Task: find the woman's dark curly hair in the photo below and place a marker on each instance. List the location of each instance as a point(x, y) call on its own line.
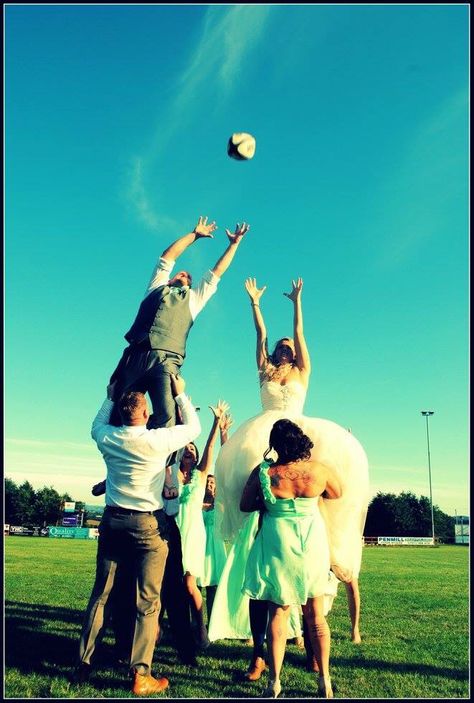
point(290, 442)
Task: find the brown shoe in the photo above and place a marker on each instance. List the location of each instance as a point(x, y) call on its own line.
point(256, 669)
point(144, 684)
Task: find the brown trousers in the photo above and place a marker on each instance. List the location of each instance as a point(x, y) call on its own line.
point(137, 541)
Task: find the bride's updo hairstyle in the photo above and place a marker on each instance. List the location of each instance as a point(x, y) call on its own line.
point(290, 442)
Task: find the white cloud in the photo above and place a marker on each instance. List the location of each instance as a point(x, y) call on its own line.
point(138, 196)
point(226, 42)
point(139, 199)
point(39, 445)
point(60, 464)
point(228, 37)
point(447, 496)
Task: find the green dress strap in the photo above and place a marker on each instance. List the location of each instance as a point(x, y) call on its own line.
point(265, 482)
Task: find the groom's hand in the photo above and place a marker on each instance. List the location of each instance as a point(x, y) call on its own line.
point(177, 384)
point(240, 230)
point(203, 229)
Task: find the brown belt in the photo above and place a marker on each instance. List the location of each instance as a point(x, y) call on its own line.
point(129, 511)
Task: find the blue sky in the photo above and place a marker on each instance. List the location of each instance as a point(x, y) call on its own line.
point(117, 119)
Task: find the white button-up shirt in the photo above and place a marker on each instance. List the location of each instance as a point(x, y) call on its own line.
point(135, 456)
point(198, 296)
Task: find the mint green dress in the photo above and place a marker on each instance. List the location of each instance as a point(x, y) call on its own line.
point(215, 556)
point(289, 559)
point(191, 525)
point(230, 610)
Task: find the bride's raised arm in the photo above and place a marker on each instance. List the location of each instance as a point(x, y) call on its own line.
point(303, 360)
point(262, 343)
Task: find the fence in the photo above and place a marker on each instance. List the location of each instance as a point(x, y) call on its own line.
point(52, 531)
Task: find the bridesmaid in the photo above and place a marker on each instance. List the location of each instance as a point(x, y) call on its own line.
point(215, 557)
point(192, 476)
point(289, 560)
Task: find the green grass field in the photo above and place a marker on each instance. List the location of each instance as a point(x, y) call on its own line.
point(414, 626)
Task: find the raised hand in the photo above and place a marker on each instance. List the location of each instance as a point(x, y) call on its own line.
point(169, 490)
point(240, 230)
point(296, 290)
point(177, 384)
point(203, 229)
point(254, 292)
point(220, 409)
point(226, 422)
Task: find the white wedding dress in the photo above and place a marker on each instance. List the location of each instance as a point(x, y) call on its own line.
point(334, 446)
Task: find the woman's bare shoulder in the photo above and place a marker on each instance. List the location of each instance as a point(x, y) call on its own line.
point(296, 470)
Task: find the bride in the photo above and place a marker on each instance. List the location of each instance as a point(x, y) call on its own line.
point(284, 377)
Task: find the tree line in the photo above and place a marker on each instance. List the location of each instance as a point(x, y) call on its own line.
point(388, 515)
point(27, 507)
point(405, 515)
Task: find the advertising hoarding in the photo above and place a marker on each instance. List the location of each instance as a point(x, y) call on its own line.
point(69, 532)
point(423, 541)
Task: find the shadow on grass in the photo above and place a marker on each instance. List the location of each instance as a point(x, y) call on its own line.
point(38, 635)
point(44, 640)
point(220, 670)
point(361, 661)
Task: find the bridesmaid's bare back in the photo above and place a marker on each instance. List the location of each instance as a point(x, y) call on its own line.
point(303, 479)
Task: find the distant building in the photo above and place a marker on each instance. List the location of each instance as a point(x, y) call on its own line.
point(461, 529)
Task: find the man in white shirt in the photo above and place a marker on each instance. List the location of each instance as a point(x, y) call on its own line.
point(157, 338)
point(133, 528)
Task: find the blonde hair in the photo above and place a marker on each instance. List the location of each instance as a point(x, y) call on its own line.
point(271, 372)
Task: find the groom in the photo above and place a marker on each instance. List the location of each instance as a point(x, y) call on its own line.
point(157, 338)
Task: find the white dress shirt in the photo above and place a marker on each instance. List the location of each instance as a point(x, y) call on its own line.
point(198, 296)
point(135, 456)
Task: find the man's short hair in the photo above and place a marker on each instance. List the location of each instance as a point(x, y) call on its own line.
point(130, 405)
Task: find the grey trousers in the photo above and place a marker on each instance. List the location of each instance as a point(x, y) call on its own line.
point(137, 541)
point(148, 371)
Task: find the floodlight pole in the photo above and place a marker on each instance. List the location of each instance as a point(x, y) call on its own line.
point(426, 414)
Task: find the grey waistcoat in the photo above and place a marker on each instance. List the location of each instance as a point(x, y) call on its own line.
point(165, 319)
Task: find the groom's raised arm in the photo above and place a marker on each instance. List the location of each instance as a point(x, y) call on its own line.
point(163, 268)
point(201, 230)
point(207, 286)
point(223, 263)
